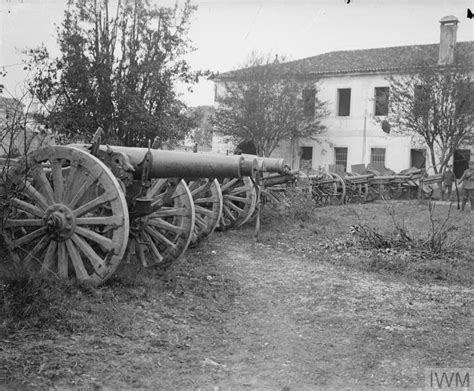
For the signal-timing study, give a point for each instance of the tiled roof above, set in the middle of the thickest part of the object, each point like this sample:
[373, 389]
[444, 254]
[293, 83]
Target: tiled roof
[391, 59]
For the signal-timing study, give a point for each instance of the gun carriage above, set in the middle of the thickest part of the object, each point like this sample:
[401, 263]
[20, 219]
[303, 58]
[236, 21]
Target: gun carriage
[78, 210]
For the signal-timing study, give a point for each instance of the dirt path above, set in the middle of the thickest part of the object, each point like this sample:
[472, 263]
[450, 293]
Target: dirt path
[299, 324]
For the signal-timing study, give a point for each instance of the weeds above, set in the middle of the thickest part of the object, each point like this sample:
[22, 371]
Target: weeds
[299, 203]
[436, 241]
[40, 303]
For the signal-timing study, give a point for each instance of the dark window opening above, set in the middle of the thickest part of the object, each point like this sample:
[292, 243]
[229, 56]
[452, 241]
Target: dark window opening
[309, 98]
[381, 100]
[341, 157]
[377, 156]
[306, 160]
[344, 102]
[418, 158]
[461, 161]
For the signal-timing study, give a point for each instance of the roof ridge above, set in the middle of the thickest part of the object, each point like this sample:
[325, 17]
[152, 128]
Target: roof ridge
[372, 49]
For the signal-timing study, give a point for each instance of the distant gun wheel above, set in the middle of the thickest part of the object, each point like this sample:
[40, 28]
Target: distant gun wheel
[163, 236]
[240, 200]
[208, 203]
[328, 189]
[66, 215]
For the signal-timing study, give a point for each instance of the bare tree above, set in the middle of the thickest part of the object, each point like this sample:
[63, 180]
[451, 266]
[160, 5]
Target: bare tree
[265, 105]
[437, 104]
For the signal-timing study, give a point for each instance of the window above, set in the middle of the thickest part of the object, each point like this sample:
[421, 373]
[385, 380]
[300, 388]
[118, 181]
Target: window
[381, 100]
[341, 157]
[309, 97]
[344, 102]
[377, 156]
[421, 106]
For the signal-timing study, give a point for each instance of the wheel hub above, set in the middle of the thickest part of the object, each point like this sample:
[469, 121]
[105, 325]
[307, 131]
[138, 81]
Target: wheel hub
[60, 221]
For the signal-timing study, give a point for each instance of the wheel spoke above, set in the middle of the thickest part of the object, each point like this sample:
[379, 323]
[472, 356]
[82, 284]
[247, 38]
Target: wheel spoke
[76, 259]
[62, 260]
[229, 184]
[199, 221]
[95, 260]
[157, 236]
[23, 223]
[234, 207]
[27, 207]
[37, 249]
[43, 183]
[58, 180]
[206, 200]
[157, 188]
[205, 186]
[101, 240]
[239, 190]
[154, 250]
[109, 195]
[34, 194]
[140, 252]
[48, 261]
[162, 224]
[29, 237]
[170, 212]
[86, 185]
[199, 210]
[69, 182]
[228, 213]
[113, 221]
[243, 200]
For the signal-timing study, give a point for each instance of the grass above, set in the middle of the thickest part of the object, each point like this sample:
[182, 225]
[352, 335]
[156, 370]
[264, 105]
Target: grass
[403, 238]
[143, 325]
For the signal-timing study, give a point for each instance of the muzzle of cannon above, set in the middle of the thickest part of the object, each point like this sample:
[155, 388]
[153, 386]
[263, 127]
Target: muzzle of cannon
[76, 211]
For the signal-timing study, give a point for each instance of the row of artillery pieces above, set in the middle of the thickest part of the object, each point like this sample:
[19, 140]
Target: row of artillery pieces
[77, 211]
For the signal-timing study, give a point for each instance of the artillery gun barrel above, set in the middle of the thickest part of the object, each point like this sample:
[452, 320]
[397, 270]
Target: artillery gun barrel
[269, 164]
[171, 164]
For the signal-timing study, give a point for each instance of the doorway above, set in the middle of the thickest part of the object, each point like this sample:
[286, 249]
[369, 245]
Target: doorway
[247, 147]
[306, 160]
[461, 161]
[418, 158]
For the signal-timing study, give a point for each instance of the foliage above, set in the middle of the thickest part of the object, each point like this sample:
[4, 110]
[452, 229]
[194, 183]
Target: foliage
[117, 70]
[203, 131]
[436, 104]
[266, 106]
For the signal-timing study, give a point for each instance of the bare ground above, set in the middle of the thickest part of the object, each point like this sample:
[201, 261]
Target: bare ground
[291, 311]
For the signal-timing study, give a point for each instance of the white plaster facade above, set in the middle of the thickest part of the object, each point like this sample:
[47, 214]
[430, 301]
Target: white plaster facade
[359, 132]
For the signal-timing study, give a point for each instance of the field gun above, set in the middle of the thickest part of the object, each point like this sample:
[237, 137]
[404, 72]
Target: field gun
[78, 210]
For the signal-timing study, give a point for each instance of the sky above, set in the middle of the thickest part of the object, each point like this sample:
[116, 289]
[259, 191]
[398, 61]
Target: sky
[225, 32]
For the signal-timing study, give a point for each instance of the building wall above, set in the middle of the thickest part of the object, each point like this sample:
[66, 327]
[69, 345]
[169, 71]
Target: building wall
[359, 132]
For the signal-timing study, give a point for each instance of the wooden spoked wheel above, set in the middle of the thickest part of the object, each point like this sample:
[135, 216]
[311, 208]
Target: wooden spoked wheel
[240, 200]
[66, 215]
[163, 236]
[328, 189]
[208, 202]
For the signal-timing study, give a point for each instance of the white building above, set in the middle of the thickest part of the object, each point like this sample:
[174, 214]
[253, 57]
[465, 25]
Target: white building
[351, 82]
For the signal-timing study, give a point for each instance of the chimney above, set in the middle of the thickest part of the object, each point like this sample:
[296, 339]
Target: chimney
[449, 27]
